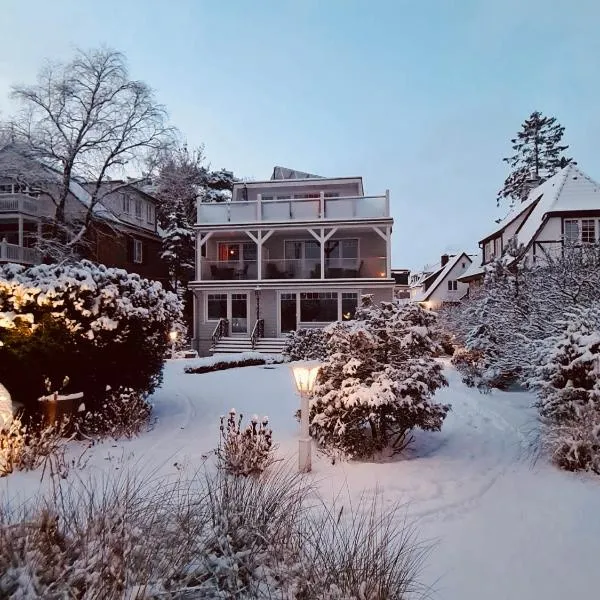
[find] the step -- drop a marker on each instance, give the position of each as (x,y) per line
(232,345)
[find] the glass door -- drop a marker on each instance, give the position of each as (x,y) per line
(287,311)
(239,313)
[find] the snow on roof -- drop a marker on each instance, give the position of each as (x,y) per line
(568,190)
(441,276)
(475,270)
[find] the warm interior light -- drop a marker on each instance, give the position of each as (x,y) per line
(173,335)
(305,376)
(382,274)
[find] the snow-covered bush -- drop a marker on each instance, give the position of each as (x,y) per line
(220,362)
(306,344)
(124,413)
(378,380)
(574,442)
(216,536)
(568,376)
(244,450)
(99,326)
(25,448)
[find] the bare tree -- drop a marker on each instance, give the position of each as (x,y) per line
(87,121)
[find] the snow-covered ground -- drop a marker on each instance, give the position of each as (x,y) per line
(503,527)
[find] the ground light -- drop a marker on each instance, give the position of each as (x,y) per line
(305,375)
(173,337)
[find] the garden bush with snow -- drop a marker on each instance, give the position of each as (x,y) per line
(308,343)
(244,450)
(99,326)
(378,380)
(212,536)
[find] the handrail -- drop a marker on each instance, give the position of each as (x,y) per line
(219,331)
(258,331)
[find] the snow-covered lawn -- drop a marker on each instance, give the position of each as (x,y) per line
(503,527)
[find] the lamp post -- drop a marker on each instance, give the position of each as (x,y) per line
(305,376)
(6,413)
(173,337)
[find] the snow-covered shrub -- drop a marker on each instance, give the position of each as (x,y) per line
(233,361)
(244,450)
(124,413)
(306,344)
(378,380)
(99,326)
(217,536)
(574,442)
(568,377)
(27,447)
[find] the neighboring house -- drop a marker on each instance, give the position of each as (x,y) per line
(123,232)
(441,285)
(295,251)
(564,209)
(401,285)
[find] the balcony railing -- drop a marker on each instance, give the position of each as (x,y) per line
(18,203)
(19,254)
(297,209)
(335,268)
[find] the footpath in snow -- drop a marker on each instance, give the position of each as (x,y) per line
(503,527)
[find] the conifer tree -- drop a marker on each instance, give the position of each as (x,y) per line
(538,155)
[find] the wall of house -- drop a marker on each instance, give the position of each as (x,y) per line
(115,202)
(442,293)
(115,249)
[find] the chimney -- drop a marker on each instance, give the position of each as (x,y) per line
(444,260)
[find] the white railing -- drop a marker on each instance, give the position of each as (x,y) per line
(17,203)
(297,209)
(18,254)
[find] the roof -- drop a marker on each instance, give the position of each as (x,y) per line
(568,190)
(441,275)
(285,173)
(473,272)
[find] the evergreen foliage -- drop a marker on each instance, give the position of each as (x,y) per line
(307,343)
(538,155)
(378,380)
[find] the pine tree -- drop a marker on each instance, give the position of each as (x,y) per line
(538,156)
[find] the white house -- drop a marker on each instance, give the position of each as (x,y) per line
(441,284)
(565,208)
(294,251)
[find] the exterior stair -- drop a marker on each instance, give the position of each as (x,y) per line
(233,345)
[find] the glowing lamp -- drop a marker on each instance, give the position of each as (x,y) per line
(305,375)
(173,336)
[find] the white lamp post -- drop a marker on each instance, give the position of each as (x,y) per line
(6,413)
(304,377)
(173,336)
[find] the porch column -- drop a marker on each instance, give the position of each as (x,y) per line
(388,251)
(201,240)
(322,244)
(21,230)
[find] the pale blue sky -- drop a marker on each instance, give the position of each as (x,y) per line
(420,97)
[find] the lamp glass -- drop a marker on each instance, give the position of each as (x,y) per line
(173,335)
(305,377)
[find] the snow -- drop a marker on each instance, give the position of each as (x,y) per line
(452,262)
(504,526)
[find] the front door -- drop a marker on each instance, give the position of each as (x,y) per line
(287,310)
(238,313)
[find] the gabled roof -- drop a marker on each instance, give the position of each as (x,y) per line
(441,275)
(567,191)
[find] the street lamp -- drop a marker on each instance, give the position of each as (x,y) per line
(305,375)
(173,337)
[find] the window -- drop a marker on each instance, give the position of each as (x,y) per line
(18,188)
(571,230)
(138,208)
(452,285)
(332,194)
(137,251)
(341,248)
(306,196)
(588,231)
(302,249)
(318,307)
(216,307)
(349,304)
(237,251)
(488,251)
(126,204)
(6,188)
(150,213)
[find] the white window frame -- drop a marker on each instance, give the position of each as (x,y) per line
(126,204)
(229,294)
(452,285)
(239,243)
(139,208)
(579,222)
(138,252)
(150,213)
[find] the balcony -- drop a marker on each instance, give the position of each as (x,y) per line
(335,268)
(305,209)
(18,203)
(19,254)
